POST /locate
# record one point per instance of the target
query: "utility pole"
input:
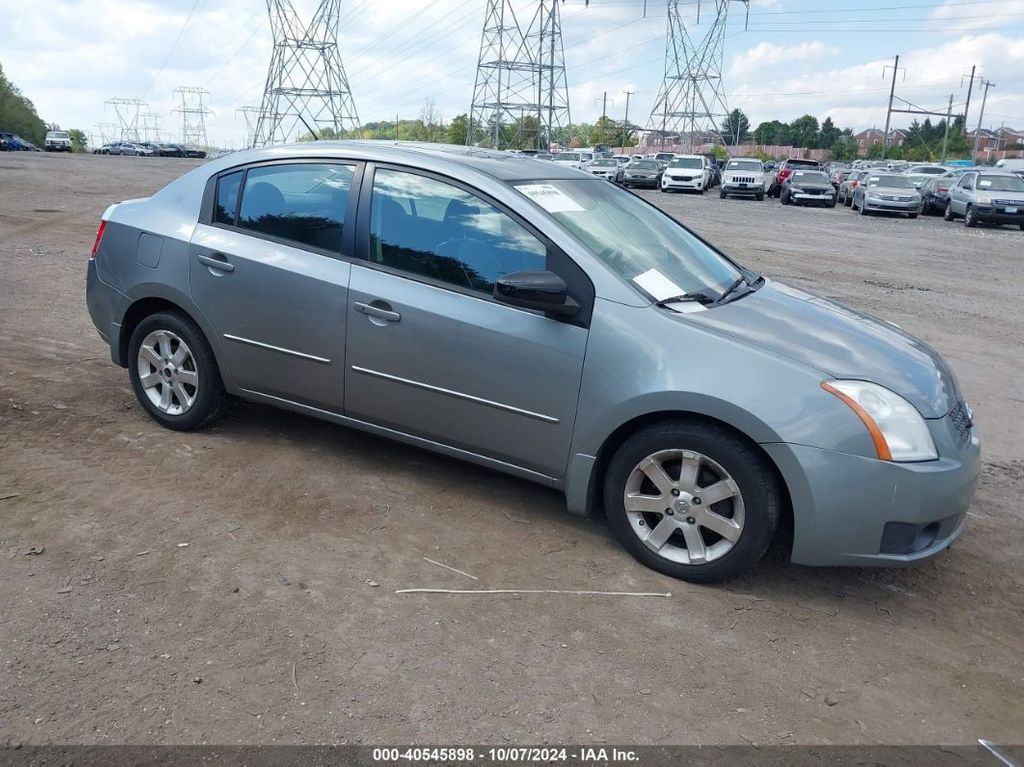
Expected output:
(625, 121)
(888, 112)
(970, 87)
(604, 115)
(986, 84)
(945, 135)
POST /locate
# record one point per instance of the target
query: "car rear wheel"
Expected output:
(173, 372)
(970, 217)
(692, 500)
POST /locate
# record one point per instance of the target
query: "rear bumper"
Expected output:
(106, 307)
(855, 511)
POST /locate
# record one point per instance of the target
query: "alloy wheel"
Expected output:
(684, 506)
(167, 371)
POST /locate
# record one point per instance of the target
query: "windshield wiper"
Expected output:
(699, 297)
(732, 289)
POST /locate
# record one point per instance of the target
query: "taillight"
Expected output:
(99, 236)
(942, 189)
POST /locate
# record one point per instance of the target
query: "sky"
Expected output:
(822, 57)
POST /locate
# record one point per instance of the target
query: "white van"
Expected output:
(1010, 164)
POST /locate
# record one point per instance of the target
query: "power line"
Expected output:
(174, 46)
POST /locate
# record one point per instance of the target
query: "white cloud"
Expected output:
(770, 56)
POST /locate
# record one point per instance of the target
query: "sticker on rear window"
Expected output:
(551, 198)
(658, 285)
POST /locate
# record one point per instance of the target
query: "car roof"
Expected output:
(503, 166)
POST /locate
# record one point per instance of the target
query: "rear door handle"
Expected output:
(216, 261)
(379, 312)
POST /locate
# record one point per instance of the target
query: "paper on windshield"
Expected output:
(658, 285)
(551, 198)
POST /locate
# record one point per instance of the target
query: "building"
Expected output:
(873, 136)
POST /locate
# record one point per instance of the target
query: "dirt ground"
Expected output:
(278, 622)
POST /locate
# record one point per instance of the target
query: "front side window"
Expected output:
(432, 229)
(641, 244)
(303, 203)
(967, 182)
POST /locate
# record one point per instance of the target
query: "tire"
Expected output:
(911, 215)
(863, 208)
(179, 331)
(948, 214)
(970, 217)
(760, 197)
(831, 204)
(1022, 227)
(721, 194)
(664, 189)
(721, 458)
(701, 190)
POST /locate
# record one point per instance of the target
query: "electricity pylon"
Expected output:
(307, 90)
(691, 101)
(149, 124)
(193, 115)
(251, 115)
(520, 95)
(127, 111)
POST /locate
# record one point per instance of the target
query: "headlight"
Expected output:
(984, 200)
(897, 429)
(796, 190)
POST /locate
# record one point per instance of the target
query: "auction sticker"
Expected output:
(551, 198)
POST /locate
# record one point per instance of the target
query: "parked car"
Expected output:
(57, 141)
(786, 169)
(844, 194)
(882, 191)
(687, 172)
(935, 191)
(572, 159)
(541, 322)
(838, 176)
(605, 168)
(661, 157)
(744, 176)
(121, 148)
(642, 173)
(808, 187)
(15, 143)
(1011, 164)
(990, 197)
(921, 173)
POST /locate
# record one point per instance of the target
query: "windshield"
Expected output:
(644, 165)
(686, 162)
(604, 163)
(927, 170)
(810, 177)
(743, 165)
(892, 182)
(636, 240)
(58, 134)
(567, 157)
(1001, 183)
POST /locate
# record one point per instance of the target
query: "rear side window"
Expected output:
(306, 204)
(227, 198)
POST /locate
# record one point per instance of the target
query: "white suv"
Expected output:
(743, 175)
(687, 171)
(58, 141)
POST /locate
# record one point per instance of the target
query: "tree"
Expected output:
(829, 134)
(772, 132)
(17, 113)
(78, 141)
(458, 129)
(803, 131)
(735, 127)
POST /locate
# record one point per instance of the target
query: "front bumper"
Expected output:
(811, 199)
(999, 215)
(856, 511)
(651, 182)
(691, 183)
(742, 188)
(896, 206)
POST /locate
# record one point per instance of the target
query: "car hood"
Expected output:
(840, 342)
(1017, 196)
(811, 185)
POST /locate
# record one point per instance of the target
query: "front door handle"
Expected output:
(378, 310)
(216, 261)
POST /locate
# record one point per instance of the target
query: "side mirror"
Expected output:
(543, 291)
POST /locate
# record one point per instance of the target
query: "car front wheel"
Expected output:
(692, 500)
(173, 371)
(970, 217)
